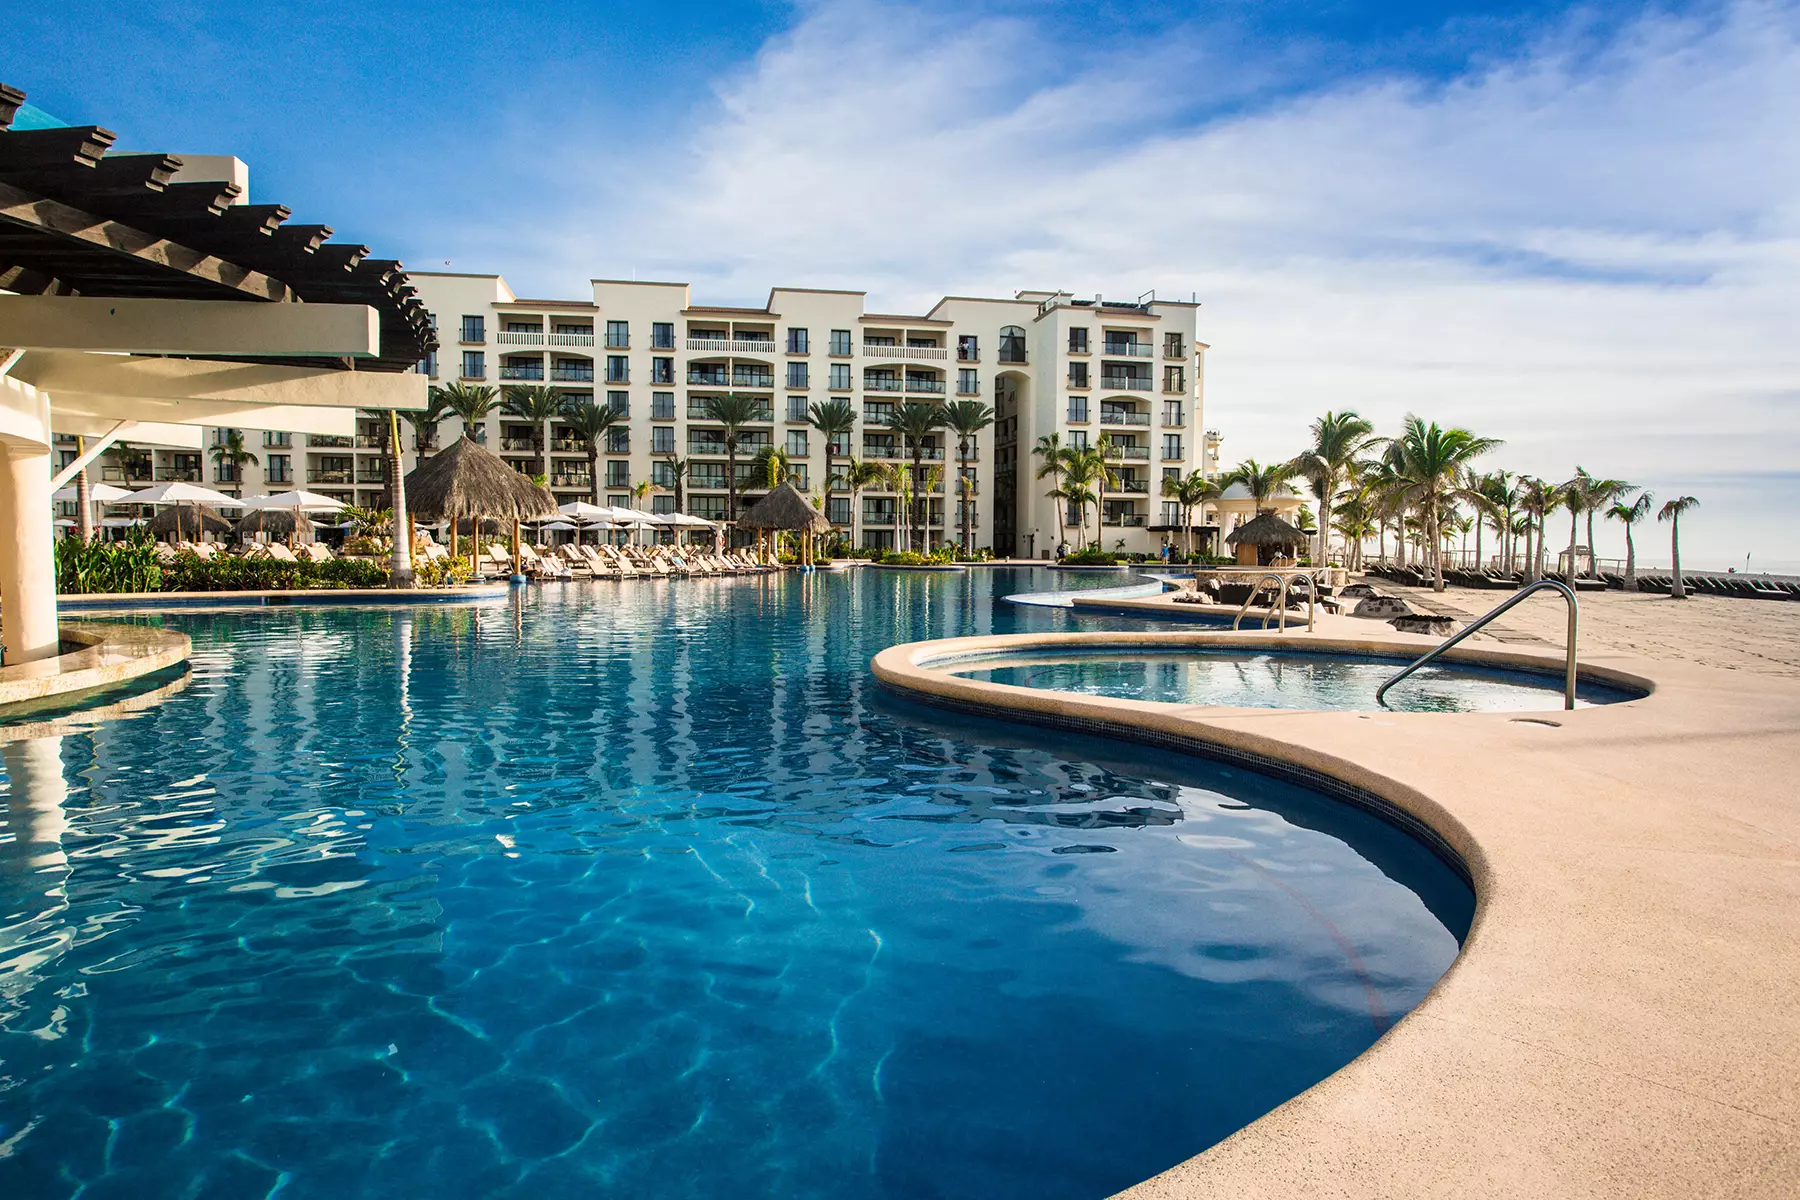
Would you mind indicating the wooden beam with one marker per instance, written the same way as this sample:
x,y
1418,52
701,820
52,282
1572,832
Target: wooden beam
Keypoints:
x,y
189,326
60,222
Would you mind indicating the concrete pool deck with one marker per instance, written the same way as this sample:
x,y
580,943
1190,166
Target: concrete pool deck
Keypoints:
x,y
1623,1019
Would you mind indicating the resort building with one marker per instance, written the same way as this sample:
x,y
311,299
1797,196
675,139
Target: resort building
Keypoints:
x,y
1047,362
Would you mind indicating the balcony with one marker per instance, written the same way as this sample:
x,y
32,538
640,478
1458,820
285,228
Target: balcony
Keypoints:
x,y
930,387
618,341
278,477
277,441
329,441
1122,417
1178,351
1128,349
878,413
1130,453
731,345
424,443
371,441
880,383
1174,418
930,353
571,339
753,379
970,387
373,478
1136,487
1125,383
531,373
1012,352
881,450
518,445
572,374
520,337
572,482
569,446
701,377
317,476
1126,520
968,354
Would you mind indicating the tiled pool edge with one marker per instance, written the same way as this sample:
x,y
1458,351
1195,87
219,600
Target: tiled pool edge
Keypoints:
x,y
109,655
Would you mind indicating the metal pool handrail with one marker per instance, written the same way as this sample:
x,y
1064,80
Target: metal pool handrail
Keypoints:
x,y
1284,583
1248,600
1568,594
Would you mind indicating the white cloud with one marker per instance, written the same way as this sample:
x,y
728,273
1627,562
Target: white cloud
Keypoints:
x,y
1587,249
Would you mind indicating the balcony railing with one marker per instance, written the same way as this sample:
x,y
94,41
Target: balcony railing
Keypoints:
x,y
968,354
1176,351
1128,349
733,345
225,474
277,441
617,341
329,441
920,352
424,442
1120,417
584,482
569,446
372,477
520,337
371,441
1125,383
527,373
1140,487
878,413
572,374
1131,453
697,377
521,445
880,384
1012,352
933,387
1126,520
278,477
1174,418
317,476
881,450
752,379
571,339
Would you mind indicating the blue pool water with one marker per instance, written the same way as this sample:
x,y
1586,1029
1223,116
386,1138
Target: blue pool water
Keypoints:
x,y
1283,679
645,889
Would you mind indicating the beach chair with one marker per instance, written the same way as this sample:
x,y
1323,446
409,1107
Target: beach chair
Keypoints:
x,y
498,559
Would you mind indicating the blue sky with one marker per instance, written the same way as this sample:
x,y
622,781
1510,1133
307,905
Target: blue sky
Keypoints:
x,y
1576,228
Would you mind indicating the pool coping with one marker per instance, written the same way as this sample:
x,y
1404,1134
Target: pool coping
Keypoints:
x,y
108,656
1621,1020
294,597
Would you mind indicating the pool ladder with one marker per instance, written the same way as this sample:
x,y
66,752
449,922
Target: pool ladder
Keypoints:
x,y
1568,594
1284,584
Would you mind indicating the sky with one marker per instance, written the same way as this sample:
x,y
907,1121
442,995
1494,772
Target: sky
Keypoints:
x,y
1575,228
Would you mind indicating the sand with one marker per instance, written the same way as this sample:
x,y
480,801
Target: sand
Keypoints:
x,y
1758,636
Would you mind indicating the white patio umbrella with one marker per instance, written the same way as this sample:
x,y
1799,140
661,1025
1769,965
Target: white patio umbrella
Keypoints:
x,y
120,522
303,501
100,493
63,523
184,493
582,510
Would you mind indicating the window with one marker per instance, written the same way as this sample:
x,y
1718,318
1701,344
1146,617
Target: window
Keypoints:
x,y
662,439
662,370
796,377
618,441
1172,413
712,508
796,443
1078,341
1078,439
1173,347
278,440
840,341
840,377
474,329
921,343
840,445
428,365
662,335
1174,379
618,335
618,369
1078,408
618,500
838,510
796,341
618,474
474,365
799,476
879,339
662,474
1171,513
968,383
567,330
1078,374
796,408
1171,445
662,406
968,348
1076,514
280,469
619,402
1012,344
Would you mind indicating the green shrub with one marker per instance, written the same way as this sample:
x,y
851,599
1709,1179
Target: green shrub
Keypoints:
x,y
903,558
188,572
441,572
124,566
1093,556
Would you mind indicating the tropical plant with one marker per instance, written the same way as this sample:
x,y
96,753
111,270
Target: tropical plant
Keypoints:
x,y
678,476
1492,496
230,452
639,491
1587,496
1339,441
1434,461
898,480
134,462
915,421
734,410
472,402
424,421
1629,515
1104,476
368,522
833,419
128,565
966,418
859,474
1189,491
539,405
1671,512
774,465
1262,482
590,422
1080,466
1049,448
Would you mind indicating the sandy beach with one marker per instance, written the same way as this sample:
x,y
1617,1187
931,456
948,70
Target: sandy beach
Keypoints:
x,y
1759,636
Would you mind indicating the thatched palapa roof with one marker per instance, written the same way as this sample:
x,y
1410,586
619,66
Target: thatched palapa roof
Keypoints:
x,y
1267,530
467,481
278,521
187,519
784,508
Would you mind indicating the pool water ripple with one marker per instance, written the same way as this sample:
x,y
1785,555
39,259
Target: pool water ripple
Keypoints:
x,y
646,890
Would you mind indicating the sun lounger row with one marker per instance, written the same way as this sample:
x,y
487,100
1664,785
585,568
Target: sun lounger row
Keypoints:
x,y
314,552
616,562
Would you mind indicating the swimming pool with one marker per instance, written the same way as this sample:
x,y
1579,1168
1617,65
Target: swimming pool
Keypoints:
x,y
1261,678
647,889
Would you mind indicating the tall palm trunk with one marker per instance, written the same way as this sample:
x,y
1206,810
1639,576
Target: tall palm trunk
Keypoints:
x,y
1479,522
1574,529
962,482
400,565
731,481
1593,558
918,497
1677,589
594,473
1437,548
1630,561
84,520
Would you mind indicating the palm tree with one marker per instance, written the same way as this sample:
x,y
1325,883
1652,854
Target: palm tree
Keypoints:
x,y
539,405
1596,494
898,480
1355,522
1050,448
732,410
833,419
774,464
1262,482
134,461
916,420
639,490
1080,467
1434,461
678,473
473,402
858,475
1104,476
231,452
590,422
1190,491
1492,497
1629,515
1671,512
1536,500
425,421
1338,443
966,418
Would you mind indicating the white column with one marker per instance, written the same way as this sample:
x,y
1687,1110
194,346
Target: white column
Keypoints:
x,y
27,558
